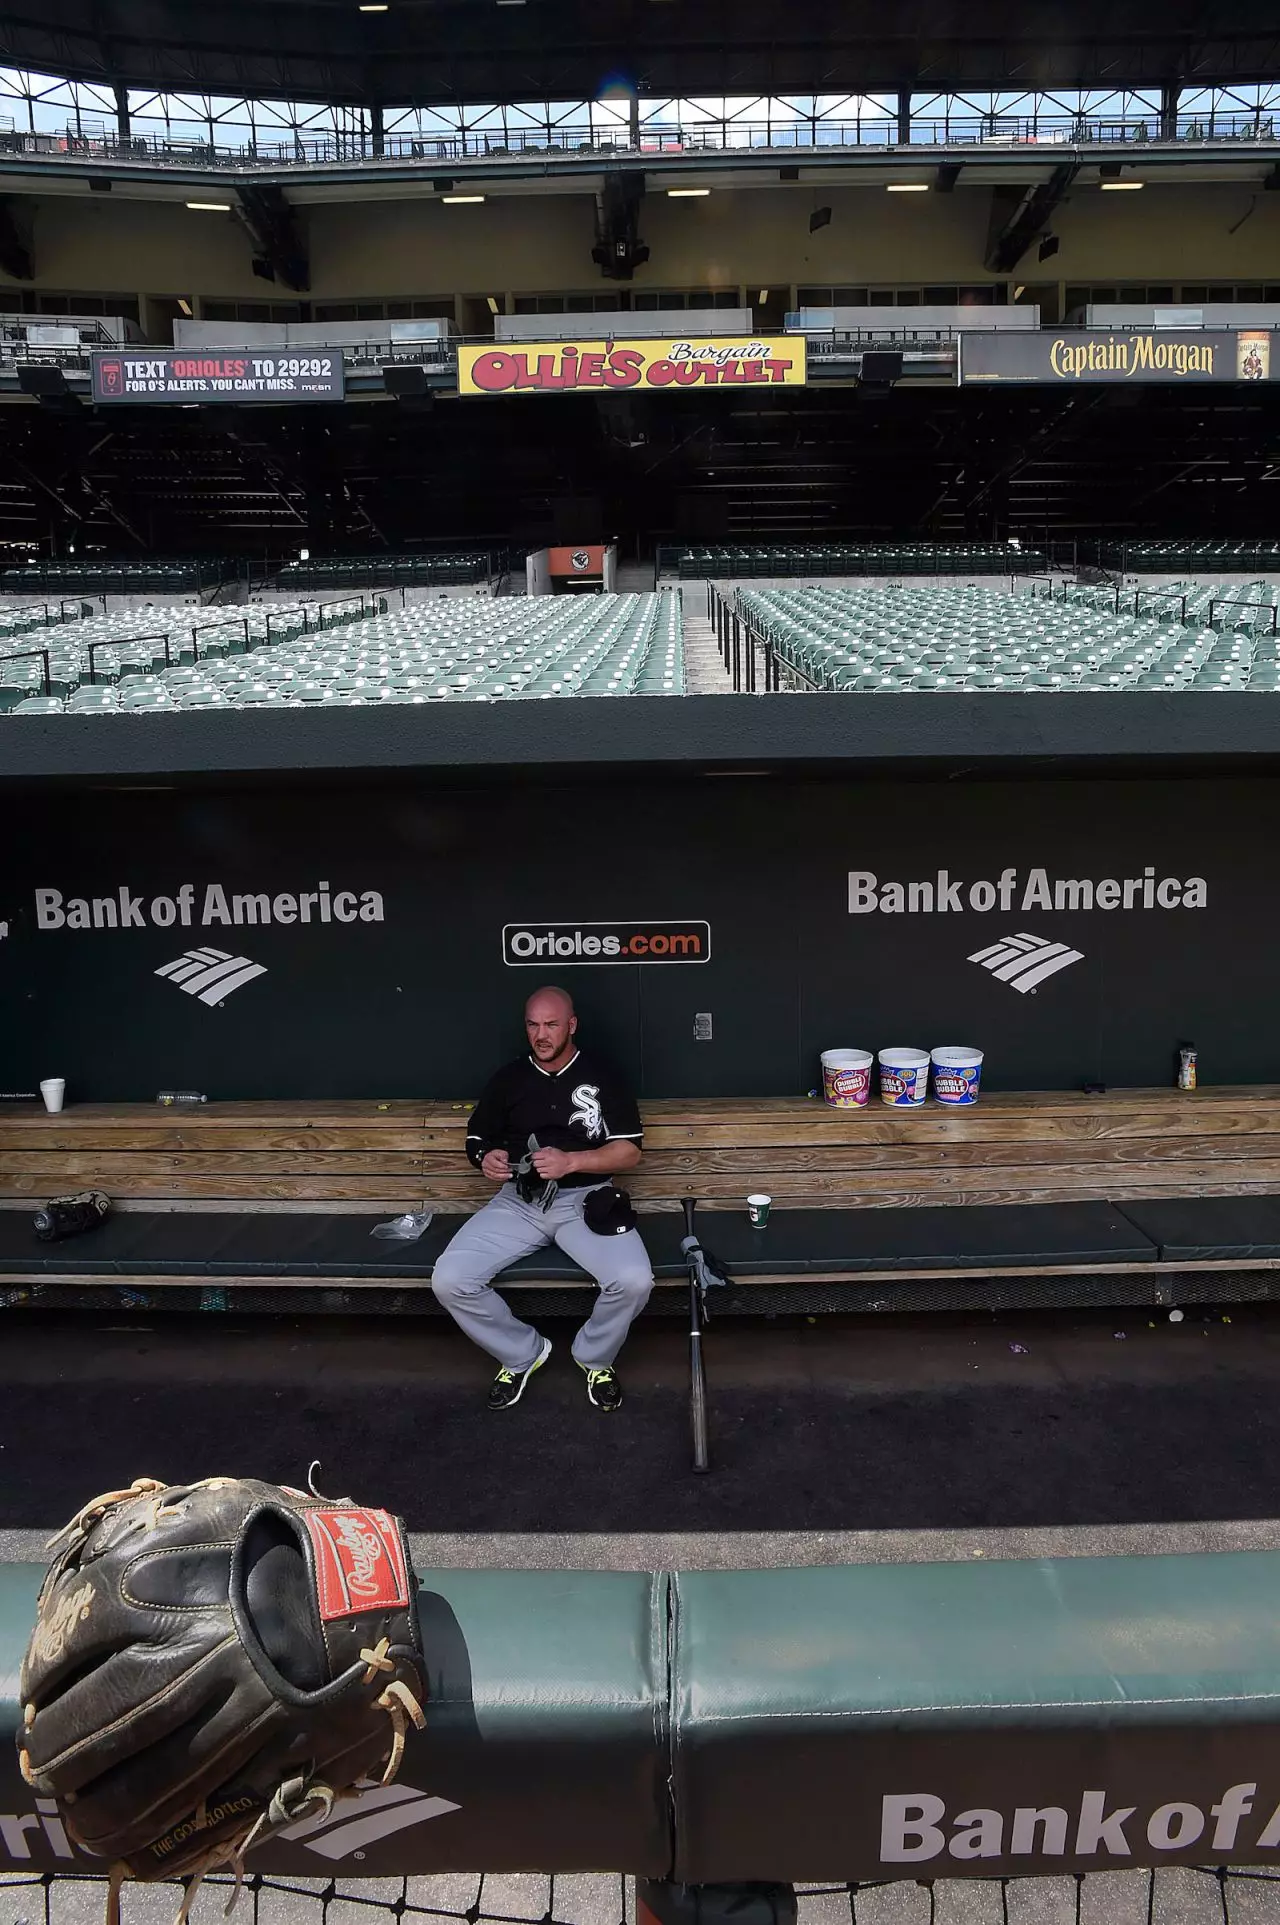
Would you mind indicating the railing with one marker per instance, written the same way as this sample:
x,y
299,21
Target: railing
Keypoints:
x,y
28,654
132,641
962,128
1225,601
740,642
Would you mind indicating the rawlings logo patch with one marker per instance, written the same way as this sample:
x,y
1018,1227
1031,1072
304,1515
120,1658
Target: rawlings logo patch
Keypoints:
x,y
58,1620
359,1563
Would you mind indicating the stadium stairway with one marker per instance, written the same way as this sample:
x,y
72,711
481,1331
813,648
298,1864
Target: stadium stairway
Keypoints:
x,y
705,672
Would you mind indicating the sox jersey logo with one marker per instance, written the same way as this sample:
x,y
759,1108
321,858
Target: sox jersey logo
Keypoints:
x,y
586,1110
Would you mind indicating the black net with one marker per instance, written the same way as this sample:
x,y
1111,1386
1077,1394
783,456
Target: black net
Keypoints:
x,y
1180,1895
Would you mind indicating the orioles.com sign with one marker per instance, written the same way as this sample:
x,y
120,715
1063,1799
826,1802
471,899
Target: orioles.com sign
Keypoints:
x,y
552,367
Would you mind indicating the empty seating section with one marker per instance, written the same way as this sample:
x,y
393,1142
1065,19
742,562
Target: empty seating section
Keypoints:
x,y
142,658
893,640
279,656
847,558
1202,557
116,578
388,571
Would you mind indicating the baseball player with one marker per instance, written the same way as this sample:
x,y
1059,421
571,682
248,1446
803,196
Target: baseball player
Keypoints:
x,y
552,1129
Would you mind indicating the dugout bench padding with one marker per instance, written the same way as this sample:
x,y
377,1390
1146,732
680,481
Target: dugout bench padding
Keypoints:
x,y
214,1244
547,1746
803,1699
805,1243
1210,1229
865,1722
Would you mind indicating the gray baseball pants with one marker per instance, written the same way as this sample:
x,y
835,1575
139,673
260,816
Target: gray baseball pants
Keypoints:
x,y
506,1229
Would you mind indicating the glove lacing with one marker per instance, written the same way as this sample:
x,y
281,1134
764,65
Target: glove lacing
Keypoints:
x,y
293,1801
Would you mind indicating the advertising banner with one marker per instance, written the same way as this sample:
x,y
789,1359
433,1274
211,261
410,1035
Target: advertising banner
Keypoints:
x,y
1075,931
189,375
609,365
1060,356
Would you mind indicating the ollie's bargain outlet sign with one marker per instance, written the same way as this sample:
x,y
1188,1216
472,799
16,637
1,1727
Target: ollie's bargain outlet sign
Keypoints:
x,y
552,367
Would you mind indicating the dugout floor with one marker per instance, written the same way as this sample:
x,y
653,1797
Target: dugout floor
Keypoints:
x,y
842,1438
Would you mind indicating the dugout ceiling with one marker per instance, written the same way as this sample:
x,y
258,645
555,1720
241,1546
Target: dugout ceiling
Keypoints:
x,y
481,50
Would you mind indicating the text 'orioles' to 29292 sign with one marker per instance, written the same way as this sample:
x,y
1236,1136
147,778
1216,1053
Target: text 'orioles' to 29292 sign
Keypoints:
x,y
555,367
213,374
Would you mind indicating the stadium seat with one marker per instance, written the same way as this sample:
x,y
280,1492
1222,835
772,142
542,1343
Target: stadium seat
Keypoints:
x,y
946,638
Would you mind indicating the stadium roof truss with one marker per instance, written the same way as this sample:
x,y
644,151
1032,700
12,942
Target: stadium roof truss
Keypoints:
x,y
467,50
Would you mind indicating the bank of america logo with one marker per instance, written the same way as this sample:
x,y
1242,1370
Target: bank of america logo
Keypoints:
x,y
374,1814
1026,961
211,975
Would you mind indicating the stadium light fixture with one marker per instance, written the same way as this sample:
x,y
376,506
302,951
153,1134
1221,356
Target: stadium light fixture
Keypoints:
x,y
687,193
907,187
462,200
492,304
1121,186
372,6
209,207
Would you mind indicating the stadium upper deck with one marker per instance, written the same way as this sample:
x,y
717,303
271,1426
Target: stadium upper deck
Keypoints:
x,y
425,49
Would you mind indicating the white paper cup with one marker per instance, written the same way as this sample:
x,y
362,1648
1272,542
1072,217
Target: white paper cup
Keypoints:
x,y
957,1073
904,1077
53,1089
846,1078
758,1211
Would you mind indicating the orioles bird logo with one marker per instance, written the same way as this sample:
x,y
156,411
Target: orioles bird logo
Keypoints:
x,y
586,1109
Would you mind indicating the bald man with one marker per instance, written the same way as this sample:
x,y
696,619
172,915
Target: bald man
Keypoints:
x,y
587,1130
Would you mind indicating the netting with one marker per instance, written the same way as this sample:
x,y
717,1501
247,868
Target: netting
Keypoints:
x,y
1180,1895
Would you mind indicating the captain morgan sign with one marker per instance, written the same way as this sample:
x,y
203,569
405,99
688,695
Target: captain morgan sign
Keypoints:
x,y
1180,356
553,367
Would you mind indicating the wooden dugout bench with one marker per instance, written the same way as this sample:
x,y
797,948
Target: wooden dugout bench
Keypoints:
x,y
1023,1182
1029,1199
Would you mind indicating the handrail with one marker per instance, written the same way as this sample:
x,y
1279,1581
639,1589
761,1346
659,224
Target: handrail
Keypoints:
x,y
25,654
129,641
669,137
1225,601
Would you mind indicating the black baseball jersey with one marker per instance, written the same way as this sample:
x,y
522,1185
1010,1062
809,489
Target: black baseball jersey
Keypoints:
x,y
580,1107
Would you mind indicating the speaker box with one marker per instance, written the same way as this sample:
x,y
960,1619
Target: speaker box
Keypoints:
x,y
404,379
880,369
41,378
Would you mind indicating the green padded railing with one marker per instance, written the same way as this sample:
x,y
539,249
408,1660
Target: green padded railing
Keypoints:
x,y
870,1721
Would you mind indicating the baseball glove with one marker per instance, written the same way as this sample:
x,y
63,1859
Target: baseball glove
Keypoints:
x,y
213,1662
